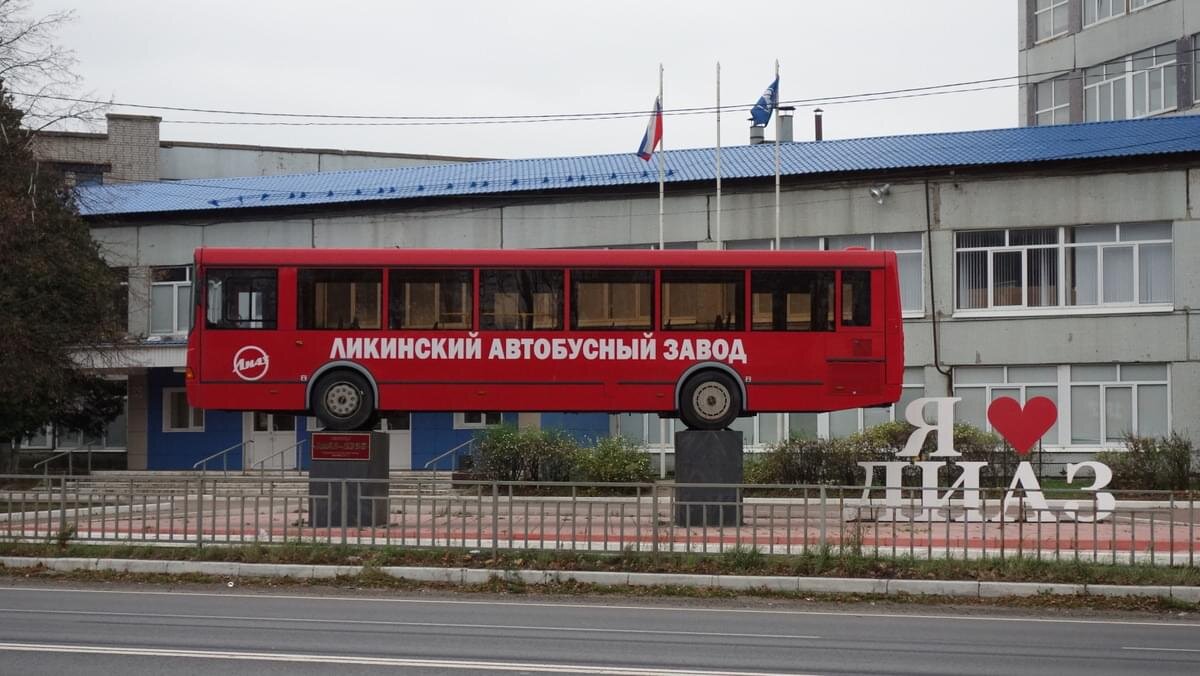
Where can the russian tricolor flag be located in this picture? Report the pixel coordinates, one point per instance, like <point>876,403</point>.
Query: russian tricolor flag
<point>654,131</point>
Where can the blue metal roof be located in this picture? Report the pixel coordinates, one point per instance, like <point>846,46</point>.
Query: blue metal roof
<point>1128,138</point>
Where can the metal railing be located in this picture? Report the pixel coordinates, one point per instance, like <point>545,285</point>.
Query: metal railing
<point>453,454</point>
<point>1145,527</point>
<point>261,465</point>
<point>202,465</point>
<point>70,455</point>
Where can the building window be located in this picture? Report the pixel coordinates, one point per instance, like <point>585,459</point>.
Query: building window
<point>770,428</point>
<point>1051,17</point>
<point>473,420</point>
<point>1052,102</point>
<point>120,301</point>
<point>1097,404</point>
<point>171,300</point>
<point>1133,86</point>
<point>1078,266</point>
<point>339,299</point>
<point>178,416</point>
<point>909,248</point>
<point>1095,11</point>
<point>1109,401</point>
<point>791,300</point>
<point>1135,5</point>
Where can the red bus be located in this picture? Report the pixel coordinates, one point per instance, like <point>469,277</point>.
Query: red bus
<point>344,334</point>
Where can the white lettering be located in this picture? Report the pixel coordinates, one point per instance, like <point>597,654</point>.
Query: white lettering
<point>944,425</point>
<point>1032,499</point>
<point>672,352</point>
<point>354,348</point>
<point>541,348</point>
<point>338,351</point>
<point>648,348</point>
<point>404,349</point>
<point>720,349</point>
<point>387,348</point>
<point>1103,504</point>
<point>512,348</point>
<point>474,348</point>
<point>371,348</point>
<point>589,348</point>
<point>968,481</point>
<point>738,352</point>
<point>496,351</point>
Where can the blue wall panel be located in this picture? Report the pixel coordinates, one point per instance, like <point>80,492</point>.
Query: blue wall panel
<point>181,450</point>
<point>585,428</point>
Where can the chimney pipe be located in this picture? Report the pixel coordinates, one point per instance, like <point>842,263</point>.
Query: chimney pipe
<point>756,134</point>
<point>785,124</point>
<point>817,132</point>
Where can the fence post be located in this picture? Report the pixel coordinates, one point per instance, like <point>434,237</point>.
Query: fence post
<point>344,511</point>
<point>200,512</point>
<point>824,517</point>
<point>654,520</point>
<point>496,522</point>
<point>62,509</point>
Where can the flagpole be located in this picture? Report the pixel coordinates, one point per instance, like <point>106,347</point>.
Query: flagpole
<point>718,154</point>
<point>776,114</point>
<point>661,151</point>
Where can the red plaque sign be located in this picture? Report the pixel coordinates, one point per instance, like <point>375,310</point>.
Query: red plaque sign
<point>345,446</point>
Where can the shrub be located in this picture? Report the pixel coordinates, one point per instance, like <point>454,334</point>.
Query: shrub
<point>613,459</point>
<point>1151,463</point>
<point>835,461</point>
<point>509,454</point>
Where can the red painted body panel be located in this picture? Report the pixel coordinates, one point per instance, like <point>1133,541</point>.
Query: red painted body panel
<point>782,371</point>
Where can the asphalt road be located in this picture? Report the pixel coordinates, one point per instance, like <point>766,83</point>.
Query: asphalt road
<point>100,630</point>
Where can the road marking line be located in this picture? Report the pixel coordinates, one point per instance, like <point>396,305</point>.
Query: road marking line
<point>391,623</point>
<point>590,606</point>
<point>473,665</point>
<point>1165,650</point>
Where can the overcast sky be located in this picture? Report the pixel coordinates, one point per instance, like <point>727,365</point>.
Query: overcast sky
<point>525,57</point>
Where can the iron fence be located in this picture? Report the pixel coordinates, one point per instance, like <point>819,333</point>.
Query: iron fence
<point>1152,527</point>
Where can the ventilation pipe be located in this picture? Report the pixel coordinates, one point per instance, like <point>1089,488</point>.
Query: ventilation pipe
<point>818,134</point>
<point>785,124</point>
<point>756,134</point>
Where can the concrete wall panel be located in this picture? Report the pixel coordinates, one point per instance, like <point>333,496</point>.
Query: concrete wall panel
<point>281,233</point>
<point>168,244</point>
<point>1102,198</point>
<point>118,246</point>
<point>458,229</point>
<point>1065,340</point>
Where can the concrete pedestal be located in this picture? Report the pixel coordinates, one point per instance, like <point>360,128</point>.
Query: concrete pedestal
<point>708,457</point>
<point>345,491</point>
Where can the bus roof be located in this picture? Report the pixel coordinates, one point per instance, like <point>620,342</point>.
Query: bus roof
<point>591,258</point>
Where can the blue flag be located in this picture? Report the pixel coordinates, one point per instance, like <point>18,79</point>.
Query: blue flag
<point>761,112</point>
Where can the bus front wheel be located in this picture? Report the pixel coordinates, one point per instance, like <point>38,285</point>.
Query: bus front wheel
<point>710,401</point>
<point>343,401</point>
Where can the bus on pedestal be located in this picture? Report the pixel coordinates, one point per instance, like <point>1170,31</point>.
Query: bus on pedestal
<point>708,336</point>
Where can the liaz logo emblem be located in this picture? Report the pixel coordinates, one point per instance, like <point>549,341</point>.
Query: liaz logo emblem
<point>251,363</point>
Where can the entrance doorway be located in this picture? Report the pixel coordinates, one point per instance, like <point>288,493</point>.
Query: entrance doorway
<point>398,426</point>
<point>271,434</point>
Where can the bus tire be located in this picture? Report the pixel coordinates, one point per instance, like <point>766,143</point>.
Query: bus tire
<point>710,400</point>
<point>342,400</point>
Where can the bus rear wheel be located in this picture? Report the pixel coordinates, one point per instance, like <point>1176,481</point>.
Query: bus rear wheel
<point>342,400</point>
<point>710,401</point>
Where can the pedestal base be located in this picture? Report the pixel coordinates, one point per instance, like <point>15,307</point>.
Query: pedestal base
<point>708,457</point>
<point>345,492</point>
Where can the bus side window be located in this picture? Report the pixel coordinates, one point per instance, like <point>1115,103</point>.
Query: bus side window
<point>520,300</point>
<point>430,299</point>
<point>241,299</point>
<point>707,300</point>
<point>792,300</point>
<point>611,299</point>
<point>339,299</point>
<point>856,298</point>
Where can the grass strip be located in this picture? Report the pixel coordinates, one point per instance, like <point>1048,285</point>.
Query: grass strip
<point>736,561</point>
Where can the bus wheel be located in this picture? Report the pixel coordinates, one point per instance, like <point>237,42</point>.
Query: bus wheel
<point>342,400</point>
<point>710,401</point>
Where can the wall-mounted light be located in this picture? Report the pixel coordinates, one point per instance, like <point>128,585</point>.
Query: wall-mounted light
<point>879,192</point>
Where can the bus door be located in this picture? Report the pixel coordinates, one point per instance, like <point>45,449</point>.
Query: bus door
<point>857,351</point>
<point>272,434</point>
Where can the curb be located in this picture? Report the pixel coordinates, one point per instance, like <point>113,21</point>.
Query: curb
<point>463,576</point>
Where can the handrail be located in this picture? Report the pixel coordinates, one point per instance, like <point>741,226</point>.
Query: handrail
<point>224,455</point>
<point>46,464</point>
<point>433,463</point>
<point>262,464</point>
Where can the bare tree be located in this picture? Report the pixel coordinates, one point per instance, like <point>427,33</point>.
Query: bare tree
<point>38,73</point>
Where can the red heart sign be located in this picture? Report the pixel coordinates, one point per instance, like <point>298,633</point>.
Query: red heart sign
<point>1022,427</point>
